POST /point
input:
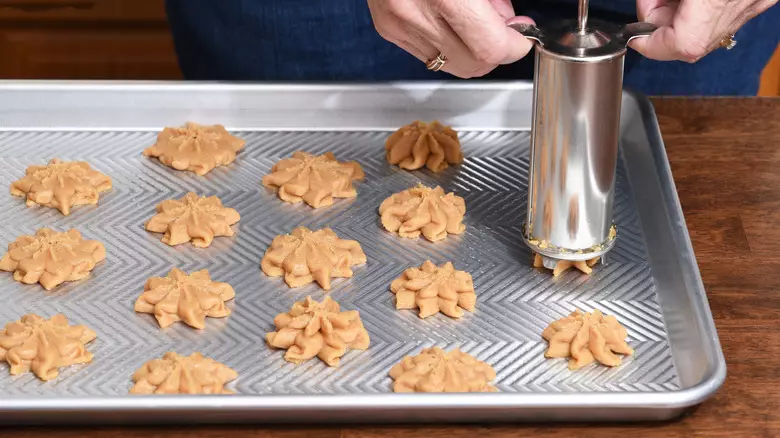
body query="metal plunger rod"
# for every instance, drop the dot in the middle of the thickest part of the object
(582, 19)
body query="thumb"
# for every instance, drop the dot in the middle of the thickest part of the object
(520, 20)
(504, 8)
(659, 45)
(522, 45)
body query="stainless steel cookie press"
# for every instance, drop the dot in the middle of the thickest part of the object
(578, 84)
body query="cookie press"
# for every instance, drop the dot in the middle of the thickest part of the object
(578, 84)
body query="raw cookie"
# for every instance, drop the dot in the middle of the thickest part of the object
(304, 256)
(175, 374)
(61, 185)
(435, 370)
(52, 258)
(44, 345)
(421, 144)
(318, 329)
(587, 337)
(313, 179)
(194, 147)
(193, 218)
(187, 298)
(423, 210)
(435, 289)
(585, 266)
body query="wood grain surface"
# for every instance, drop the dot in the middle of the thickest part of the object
(725, 155)
(86, 39)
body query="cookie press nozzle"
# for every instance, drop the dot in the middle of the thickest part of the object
(578, 85)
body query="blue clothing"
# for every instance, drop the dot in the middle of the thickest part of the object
(335, 40)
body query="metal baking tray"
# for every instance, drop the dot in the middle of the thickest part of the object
(651, 281)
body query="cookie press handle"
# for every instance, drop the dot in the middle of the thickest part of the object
(529, 31)
(625, 34)
(637, 30)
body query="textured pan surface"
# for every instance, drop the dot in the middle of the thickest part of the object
(515, 302)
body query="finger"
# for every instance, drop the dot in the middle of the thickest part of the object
(460, 61)
(504, 8)
(658, 12)
(520, 20)
(427, 27)
(421, 48)
(661, 45)
(661, 13)
(693, 32)
(483, 30)
(749, 13)
(395, 31)
(411, 40)
(464, 64)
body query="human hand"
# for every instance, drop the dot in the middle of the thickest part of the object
(472, 34)
(690, 29)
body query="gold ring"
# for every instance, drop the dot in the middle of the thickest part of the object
(728, 42)
(436, 63)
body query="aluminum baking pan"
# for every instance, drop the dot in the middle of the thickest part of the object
(650, 282)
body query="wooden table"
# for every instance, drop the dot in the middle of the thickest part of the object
(725, 155)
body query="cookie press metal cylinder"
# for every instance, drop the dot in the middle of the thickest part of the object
(578, 86)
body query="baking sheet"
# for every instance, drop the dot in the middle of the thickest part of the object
(515, 302)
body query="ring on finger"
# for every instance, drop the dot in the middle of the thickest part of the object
(436, 63)
(728, 42)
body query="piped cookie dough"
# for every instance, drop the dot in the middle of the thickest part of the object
(423, 210)
(435, 289)
(194, 147)
(44, 345)
(419, 144)
(314, 179)
(61, 185)
(187, 298)
(587, 337)
(193, 218)
(306, 256)
(176, 374)
(52, 258)
(584, 266)
(318, 329)
(435, 370)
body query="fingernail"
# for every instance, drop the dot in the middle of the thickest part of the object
(520, 20)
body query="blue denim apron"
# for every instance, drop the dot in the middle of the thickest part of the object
(335, 40)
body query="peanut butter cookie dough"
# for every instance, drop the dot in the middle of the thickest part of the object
(423, 210)
(187, 298)
(193, 218)
(44, 345)
(584, 266)
(194, 147)
(175, 374)
(587, 337)
(419, 144)
(318, 329)
(305, 256)
(435, 370)
(52, 258)
(435, 289)
(61, 185)
(313, 179)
